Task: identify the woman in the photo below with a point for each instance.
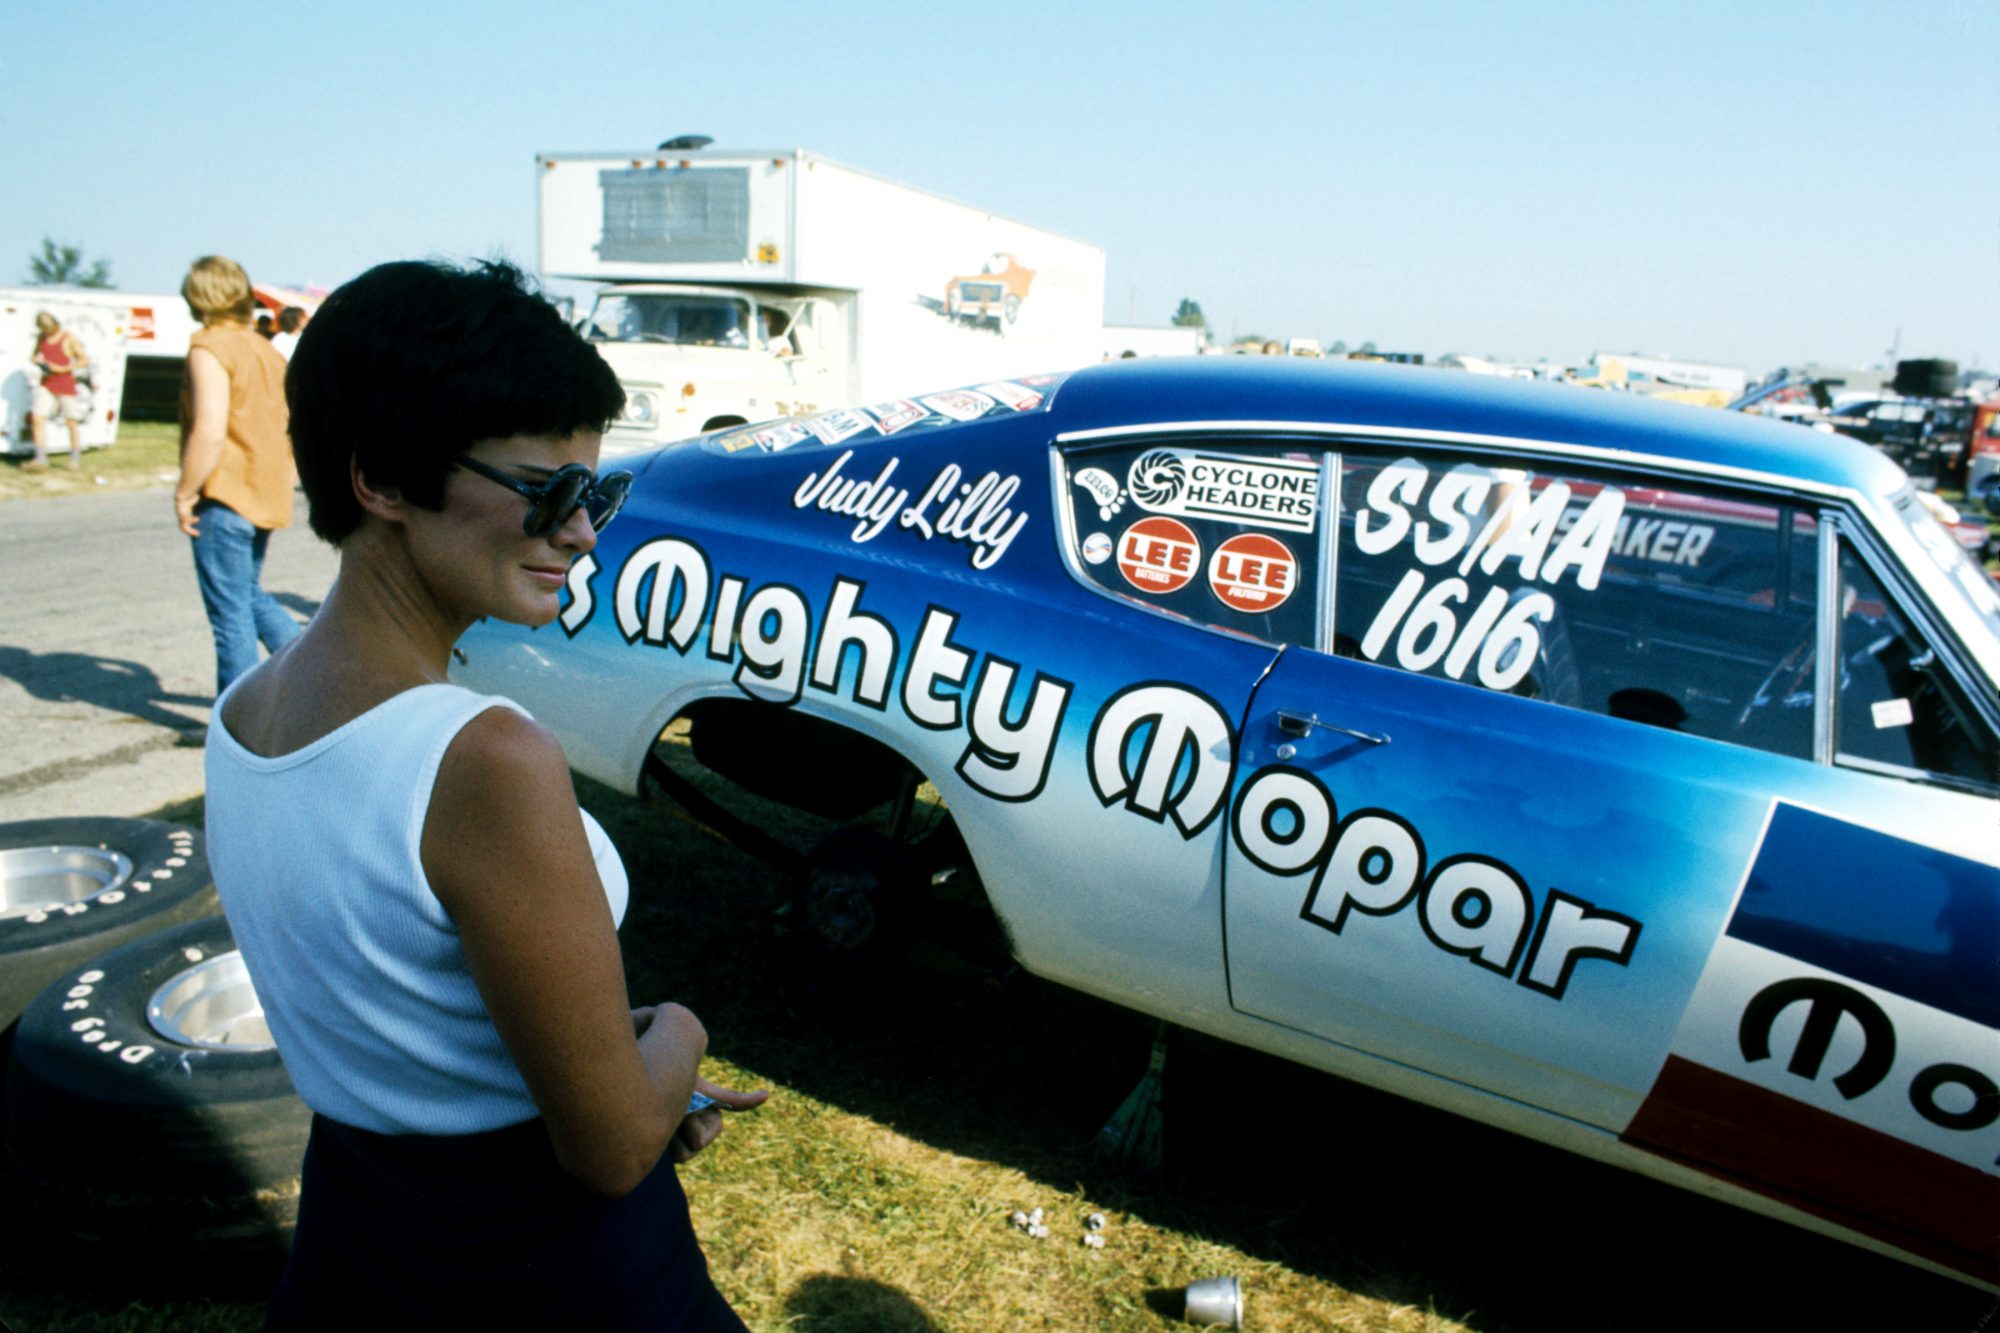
(60, 358)
(426, 914)
(236, 465)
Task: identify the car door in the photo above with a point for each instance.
(1549, 812)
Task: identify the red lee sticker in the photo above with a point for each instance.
(1252, 573)
(1158, 555)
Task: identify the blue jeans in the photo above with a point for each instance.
(229, 566)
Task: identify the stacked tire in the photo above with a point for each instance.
(144, 1099)
(1927, 378)
(71, 889)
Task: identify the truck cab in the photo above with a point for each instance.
(695, 359)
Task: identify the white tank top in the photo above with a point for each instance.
(317, 859)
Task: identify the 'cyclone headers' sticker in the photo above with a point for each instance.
(1252, 573)
(1158, 555)
(1260, 491)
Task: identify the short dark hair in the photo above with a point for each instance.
(412, 363)
(291, 319)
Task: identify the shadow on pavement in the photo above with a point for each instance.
(304, 607)
(103, 682)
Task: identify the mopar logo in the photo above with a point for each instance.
(1827, 1001)
(1948, 1094)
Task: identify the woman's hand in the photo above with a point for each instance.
(184, 511)
(704, 1127)
(701, 1128)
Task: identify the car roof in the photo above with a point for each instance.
(1243, 390)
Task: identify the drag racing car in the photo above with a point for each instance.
(1622, 774)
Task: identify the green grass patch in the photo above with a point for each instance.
(146, 456)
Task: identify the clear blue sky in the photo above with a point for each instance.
(1757, 183)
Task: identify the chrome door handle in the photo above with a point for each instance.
(1292, 724)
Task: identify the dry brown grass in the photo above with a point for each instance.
(146, 456)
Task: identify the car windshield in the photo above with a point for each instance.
(1967, 578)
(664, 317)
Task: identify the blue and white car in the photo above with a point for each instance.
(1622, 774)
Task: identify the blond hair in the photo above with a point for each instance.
(217, 289)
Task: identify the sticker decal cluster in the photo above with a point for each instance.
(959, 404)
(1204, 532)
(999, 398)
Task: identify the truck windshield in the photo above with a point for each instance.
(664, 317)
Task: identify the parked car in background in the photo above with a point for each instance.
(1619, 773)
(1926, 437)
(1921, 420)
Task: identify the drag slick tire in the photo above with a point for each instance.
(71, 889)
(144, 1099)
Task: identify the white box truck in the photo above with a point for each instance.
(740, 286)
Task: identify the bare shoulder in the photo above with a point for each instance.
(503, 810)
(502, 755)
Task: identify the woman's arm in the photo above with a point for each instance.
(207, 428)
(505, 852)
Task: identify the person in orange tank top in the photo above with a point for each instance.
(236, 466)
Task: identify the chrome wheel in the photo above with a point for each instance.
(40, 879)
(211, 1005)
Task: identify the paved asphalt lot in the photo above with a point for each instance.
(105, 655)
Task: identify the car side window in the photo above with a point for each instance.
(1675, 606)
(1223, 532)
(1898, 706)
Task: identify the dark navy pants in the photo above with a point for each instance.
(485, 1231)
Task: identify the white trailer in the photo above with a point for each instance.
(1128, 340)
(740, 286)
(106, 322)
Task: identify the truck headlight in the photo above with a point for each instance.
(640, 409)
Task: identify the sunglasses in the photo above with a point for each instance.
(552, 502)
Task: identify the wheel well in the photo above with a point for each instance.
(717, 423)
(794, 758)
